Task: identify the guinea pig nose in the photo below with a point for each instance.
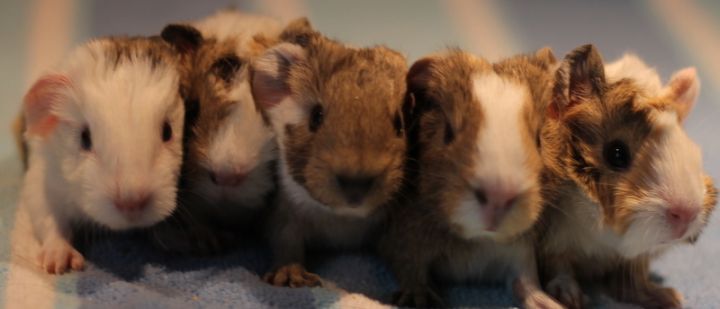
(680, 218)
(133, 204)
(227, 179)
(355, 188)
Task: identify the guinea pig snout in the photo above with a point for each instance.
(494, 206)
(680, 218)
(227, 178)
(131, 206)
(355, 188)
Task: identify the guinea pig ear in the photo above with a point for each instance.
(270, 72)
(683, 89)
(546, 56)
(298, 31)
(421, 79)
(185, 38)
(580, 77)
(39, 101)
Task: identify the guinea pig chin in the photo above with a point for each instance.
(137, 210)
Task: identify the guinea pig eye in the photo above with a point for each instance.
(617, 155)
(316, 117)
(226, 67)
(85, 139)
(166, 132)
(398, 124)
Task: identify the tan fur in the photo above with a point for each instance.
(421, 243)
(579, 184)
(360, 92)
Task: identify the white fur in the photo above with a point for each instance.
(678, 180)
(125, 108)
(232, 24)
(630, 66)
(502, 155)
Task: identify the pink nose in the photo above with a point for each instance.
(495, 207)
(227, 179)
(680, 218)
(133, 204)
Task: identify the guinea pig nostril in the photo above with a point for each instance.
(213, 177)
(481, 197)
(355, 188)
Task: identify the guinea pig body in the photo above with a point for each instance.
(624, 180)
(228, 173)
(85, 166)
(478, 177)
(336, 112)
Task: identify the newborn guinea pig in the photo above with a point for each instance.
(476, 126)
(337, 114)
(105, 137)
(625, 180)
(228, 172)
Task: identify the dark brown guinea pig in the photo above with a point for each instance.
(337, 115)
(228, 171)
(478, 177)
(625, 180)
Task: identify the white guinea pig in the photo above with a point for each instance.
(105, 138)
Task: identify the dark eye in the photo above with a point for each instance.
(226, 67)
(166, 132)
(316, 117)
(398, 124)
(617, 155)
(85, 140)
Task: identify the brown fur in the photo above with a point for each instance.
(360, 92)
(446, 124)
(18, 129)
(587, 113)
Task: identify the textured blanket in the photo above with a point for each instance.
(126, 271)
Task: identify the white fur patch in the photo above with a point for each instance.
(632, 67)
(231, 24)
(501, 168)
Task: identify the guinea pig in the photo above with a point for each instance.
(228, 171)
(337, 115)
(478, 182)
(624, 182)
(105, 138)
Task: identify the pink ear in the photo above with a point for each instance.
(683, 89)
(270, 74)
(39, 101)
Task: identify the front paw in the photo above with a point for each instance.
(540, 300)
(422, 297)
(657, 297)
(566, 290)
(292, 275)
(57, 256)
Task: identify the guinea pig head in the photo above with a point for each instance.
(617, 133)
(228, 142)
(110, 124)
(337, 114)
(479, 161)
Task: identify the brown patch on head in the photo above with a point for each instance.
(345, 148)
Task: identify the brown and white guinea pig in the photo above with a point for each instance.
(337, 115)
(228, 173)
(625, 181)
(476, 126)
(105, 138)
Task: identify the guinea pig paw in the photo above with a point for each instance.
(421, 297)
(57, 256)
(566, 290)
(540, 300)
(657, 297)
(294, 276)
